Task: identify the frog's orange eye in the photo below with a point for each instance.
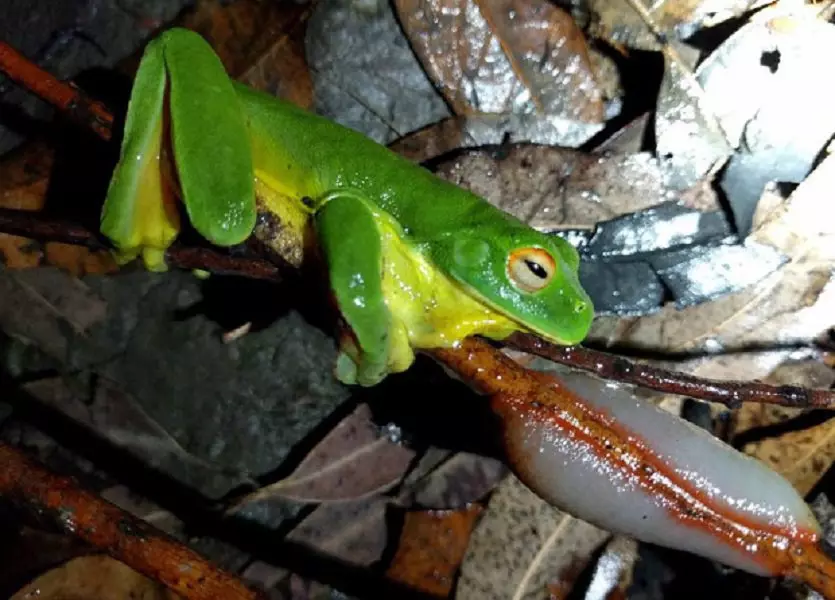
(530, 269)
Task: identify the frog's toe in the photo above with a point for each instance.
(346, 369)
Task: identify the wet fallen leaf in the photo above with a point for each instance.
(94, 578)
(355, 460)
(793, 305)
(431, 547)
(500, 56)
(521, 544)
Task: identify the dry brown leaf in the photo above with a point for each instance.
(432, 545)
(503, 56)
(355, 460)
(78, 260)
(24, 181)
(260, 43)
(94, 578)
(551, 188)
(521, 544)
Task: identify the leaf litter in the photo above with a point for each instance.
(788, 303)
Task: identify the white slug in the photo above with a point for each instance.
(627, 466)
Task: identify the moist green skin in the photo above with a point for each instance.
(225, 135)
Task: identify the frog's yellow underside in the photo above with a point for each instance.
(428, 309)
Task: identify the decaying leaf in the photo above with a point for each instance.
(355, 532)
(500, 56)
(116, 416)
(521, 545)
(432, 546)
(94, 578)
(459, 480)
(355, 460)
(40, 305)
(260, 43)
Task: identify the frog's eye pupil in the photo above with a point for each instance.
(530, 269)
(537, 269)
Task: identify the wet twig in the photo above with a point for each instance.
(30, 487)
(617, 368)
(66, 97)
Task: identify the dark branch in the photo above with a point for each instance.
(617, 368)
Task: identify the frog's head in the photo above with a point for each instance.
(526, 275)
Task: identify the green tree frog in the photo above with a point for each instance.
(413, 261)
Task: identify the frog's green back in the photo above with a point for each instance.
(317, 155)
(464, 235)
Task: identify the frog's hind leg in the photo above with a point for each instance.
(350, 241)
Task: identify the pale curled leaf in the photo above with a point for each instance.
(353, 461)
(793, 305)
(521, 544)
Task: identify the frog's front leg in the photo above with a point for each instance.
(350, 240)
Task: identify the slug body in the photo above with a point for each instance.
(627, 466)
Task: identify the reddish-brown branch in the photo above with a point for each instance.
(126, 538)
(617, 368)
(61, 95)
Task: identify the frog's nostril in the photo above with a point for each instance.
(579, 306)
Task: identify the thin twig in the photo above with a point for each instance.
(63, 96)
(31, 487)
(617, 368)
(31, 225)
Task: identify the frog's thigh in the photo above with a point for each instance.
(350, 241)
